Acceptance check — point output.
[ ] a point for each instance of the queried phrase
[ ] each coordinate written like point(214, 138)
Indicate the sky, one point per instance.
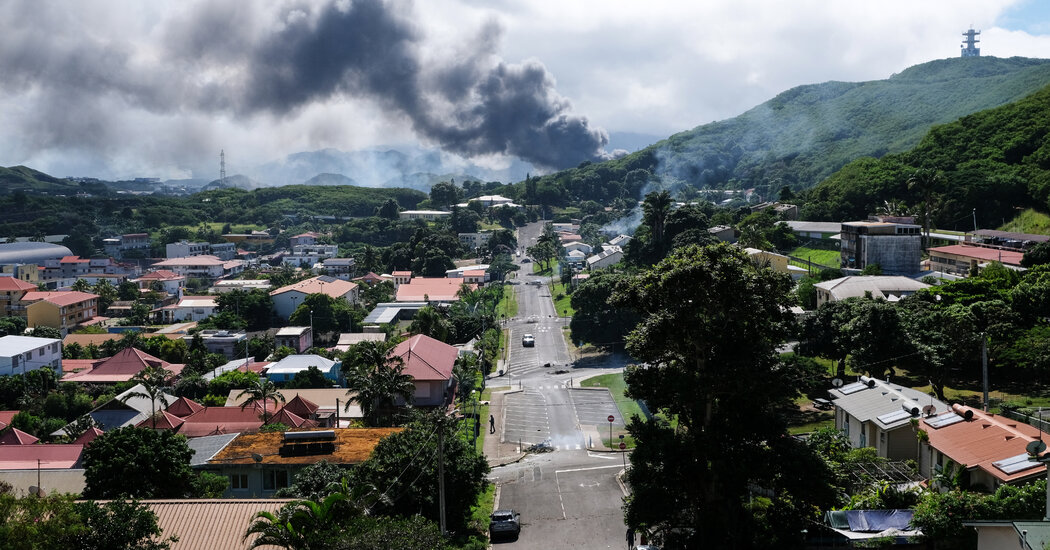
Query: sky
point(120, 89)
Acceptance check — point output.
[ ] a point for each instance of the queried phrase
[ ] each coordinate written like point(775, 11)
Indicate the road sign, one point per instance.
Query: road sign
point(623, 446)
point(611, 418)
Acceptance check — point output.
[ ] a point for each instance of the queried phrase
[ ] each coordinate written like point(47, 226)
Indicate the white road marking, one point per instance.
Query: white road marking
point(606, 457)
point(586, 469)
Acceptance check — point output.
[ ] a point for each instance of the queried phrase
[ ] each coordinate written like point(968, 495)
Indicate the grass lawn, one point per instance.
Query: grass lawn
point(820, 256)
point(477, 536)
point(563, 305)
point(538, 269)
point(628, 407)
point(508, 305)
point(1029, 221)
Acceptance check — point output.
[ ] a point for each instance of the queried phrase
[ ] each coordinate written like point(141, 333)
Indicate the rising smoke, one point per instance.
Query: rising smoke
point(240, 61)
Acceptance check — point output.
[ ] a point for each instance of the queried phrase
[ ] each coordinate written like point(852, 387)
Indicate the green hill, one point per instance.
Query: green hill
point(21, 178)
point(805, 134)
point(995, 163)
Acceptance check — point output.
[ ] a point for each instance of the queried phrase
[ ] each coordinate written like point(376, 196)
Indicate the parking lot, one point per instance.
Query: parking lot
point(525, 418)
point(593, 407)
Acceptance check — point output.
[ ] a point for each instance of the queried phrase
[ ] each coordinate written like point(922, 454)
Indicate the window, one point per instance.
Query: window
point(239, 482)
point(40, 352)
point(275, 479)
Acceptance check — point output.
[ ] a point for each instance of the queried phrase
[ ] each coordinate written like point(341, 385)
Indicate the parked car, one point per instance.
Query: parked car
point(505, 523)
point(525, 260)
point(528, 341)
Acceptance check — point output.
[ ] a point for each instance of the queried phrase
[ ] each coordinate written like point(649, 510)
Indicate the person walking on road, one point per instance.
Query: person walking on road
point(492, 424)
point(630, 538)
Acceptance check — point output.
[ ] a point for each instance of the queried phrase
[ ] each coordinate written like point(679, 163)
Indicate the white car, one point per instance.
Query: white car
point(528, 341)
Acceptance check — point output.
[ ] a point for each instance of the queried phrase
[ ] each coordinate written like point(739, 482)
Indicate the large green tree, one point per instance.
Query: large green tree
point(711, 323)
point(596, 320)
point(138, 463)
point(376, 380)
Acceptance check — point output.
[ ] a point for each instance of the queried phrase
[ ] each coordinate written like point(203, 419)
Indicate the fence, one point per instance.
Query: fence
point(1036, 421)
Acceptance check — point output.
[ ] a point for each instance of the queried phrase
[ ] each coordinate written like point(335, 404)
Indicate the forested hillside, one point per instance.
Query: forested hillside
point(805, 134)
point(21, 178)
point(997, 161)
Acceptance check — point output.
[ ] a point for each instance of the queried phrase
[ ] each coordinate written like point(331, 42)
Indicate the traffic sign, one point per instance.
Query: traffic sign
point(623, 446)
point(611, 418)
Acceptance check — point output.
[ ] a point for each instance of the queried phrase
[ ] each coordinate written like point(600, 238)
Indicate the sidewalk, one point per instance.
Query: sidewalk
point(497, 452)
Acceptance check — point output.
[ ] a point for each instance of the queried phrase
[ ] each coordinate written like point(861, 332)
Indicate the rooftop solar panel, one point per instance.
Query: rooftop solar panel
point(1015, 464)
point(895, 416)
point(852, 388)
point(943, 420)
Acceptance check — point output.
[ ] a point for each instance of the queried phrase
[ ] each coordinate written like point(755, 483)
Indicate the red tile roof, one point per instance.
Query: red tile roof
point(402, 274)
point(31, 457)
point(5, 418)
point(120, 368)
point(985, 439)
point(11, 283)
point(161, 275)
point(222, 420)
point(369, 278)
point(336, 288)
point(426, 358)
point(59, 298)
point(211, 524)
point(1008, 257)
point(73, 260)
point(301, 407)
point(88, 436)
point(165, 421)
point(474, 273)
point(202, 260)
point(14, 436)
point(435, 289)
point(288, 418)
point(183, 407)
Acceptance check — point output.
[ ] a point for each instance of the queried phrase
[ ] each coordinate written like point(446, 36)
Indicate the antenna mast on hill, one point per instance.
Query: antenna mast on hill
point(222, 168)
point(969, 46)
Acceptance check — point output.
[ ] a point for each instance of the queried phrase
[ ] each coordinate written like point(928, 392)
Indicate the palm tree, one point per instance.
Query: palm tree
point(376, 379)
point(431, 322)
point(261, 390)
point(655, 210)
point(81, 286)
point(153, 379)
point(927, 182)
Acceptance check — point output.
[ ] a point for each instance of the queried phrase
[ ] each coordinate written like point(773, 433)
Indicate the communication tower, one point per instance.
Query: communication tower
point(969, 46)
point(222, 168)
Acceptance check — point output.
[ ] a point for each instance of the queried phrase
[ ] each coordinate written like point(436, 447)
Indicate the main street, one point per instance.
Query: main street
point(570, 496)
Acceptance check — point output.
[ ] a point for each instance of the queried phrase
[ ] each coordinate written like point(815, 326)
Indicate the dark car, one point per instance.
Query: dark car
point(505, 523)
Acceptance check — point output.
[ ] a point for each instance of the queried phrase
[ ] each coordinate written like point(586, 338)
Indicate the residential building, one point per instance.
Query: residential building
point(1004, 239)
point(11, 292)
point(29, 273)
point(873, 413)
point(286, 369)
point(887, 287)
point(340, 268)
point(570, 237)
point(960, 259)
point(285, 454)
point(782, 210)
point(287, 298)
point(207, 421)
point(895, 247)
point(429, 362)
point(304, 239)
point(494, 201)
point(298, 338)
point(991, 448)
point(348, 339)
point(610, 255)
point(219, 341)
point(127, 408)
point(776, 262)
point(163, 279)
point(188, 308)
point(244, 364)
point(429, 215)
point(724, 233)
point(575, 259)
point(620, 240)
point(432, 290)
point(20, 354)
point(330, 407)
point(392, 312)
point(471, 241)
point(401, 278)
point(310, 254)
point(121, 367)
point(185, 249)
point(474, 269)
point(245, 285)
point(132, 245)
point(255, 237)
point(577, 246)
point(213, 524)
point(202, 267)
point(62, 310)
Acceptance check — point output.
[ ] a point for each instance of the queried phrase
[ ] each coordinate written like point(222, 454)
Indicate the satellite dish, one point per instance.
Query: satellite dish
point(1036, 447)
point(837, 382)
point(929, 410)
point(257, 457)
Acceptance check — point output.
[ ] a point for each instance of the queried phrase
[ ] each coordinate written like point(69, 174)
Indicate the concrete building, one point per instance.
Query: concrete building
point(29, 273)
point(166, 280)
point(189, 308)
point(610, 255)
point(874, 413)
point(959, 259)
point(286, 369)
point(62, 310)
point(11, 292)
point(298, 338)
point(287, 298)
point(132, 245)
point(470, 241)
point(20, 354)
point(724, 233)
point(202, 267)
point(310, 254)
point(220, 341)
point(887, 287)
point(184, 249)
point(304, 239)
point(245, 285)
point(429, 215)
point(340, 268)
point(895, 247)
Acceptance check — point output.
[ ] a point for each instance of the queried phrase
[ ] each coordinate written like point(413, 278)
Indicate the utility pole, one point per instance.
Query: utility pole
point(984, 367)
point(441, 475)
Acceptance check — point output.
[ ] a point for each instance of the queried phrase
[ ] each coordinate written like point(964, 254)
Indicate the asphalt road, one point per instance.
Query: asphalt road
point(569, 497)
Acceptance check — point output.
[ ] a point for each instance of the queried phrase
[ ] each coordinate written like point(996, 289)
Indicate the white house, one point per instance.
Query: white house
point(286, 369)
point(287, 298)
point(310, 254)
point(611, 255)
point(887, 287)
point(578, 246)
point(873, 413)
point(192, 308)
point(202, 267)
point(19, 354)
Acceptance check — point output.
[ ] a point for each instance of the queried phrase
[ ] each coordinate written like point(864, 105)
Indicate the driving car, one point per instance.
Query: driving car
point(528, 341)
point(505, 522)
